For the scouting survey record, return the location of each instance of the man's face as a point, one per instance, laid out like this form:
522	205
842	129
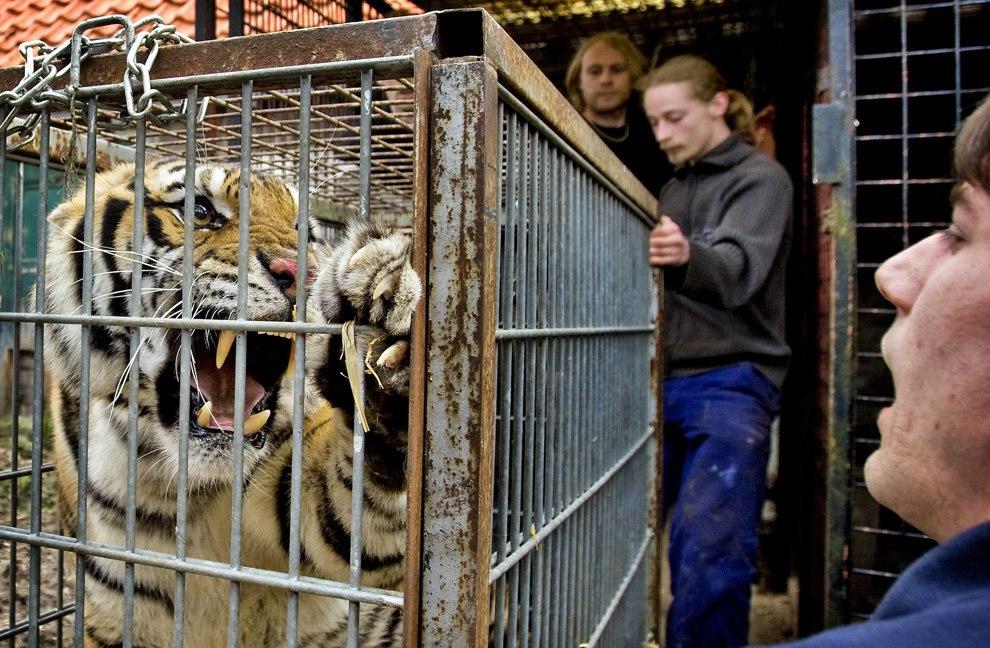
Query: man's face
605	81
934	455
685	127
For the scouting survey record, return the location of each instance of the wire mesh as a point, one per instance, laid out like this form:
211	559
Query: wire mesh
919	71
349	149
572	476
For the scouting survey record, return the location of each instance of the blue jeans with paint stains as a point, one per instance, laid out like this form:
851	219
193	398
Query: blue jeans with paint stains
716	440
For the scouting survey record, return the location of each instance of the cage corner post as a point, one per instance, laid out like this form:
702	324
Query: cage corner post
834	174
460	367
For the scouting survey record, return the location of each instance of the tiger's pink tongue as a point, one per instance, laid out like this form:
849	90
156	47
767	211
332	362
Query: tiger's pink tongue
217	387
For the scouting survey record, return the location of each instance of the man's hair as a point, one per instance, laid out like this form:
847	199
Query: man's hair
705	81
621	44
972	152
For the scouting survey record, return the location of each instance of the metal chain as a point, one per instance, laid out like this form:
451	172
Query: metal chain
44	63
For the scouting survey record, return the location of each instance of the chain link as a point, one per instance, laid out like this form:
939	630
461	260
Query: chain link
44	63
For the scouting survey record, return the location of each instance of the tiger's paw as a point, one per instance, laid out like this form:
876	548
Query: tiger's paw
369	279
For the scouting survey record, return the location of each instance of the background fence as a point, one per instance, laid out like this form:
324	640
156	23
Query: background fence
920	68
532	452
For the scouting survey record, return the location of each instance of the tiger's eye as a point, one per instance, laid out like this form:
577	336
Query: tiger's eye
202	215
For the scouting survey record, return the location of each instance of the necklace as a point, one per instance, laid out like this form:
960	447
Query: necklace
615	139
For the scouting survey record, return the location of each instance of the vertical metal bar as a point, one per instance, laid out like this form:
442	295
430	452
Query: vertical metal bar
656	423
518	390
235	17
38	385
357	481
554	565
137	245
11	595
15	378
904	127
529	399
60	585
957	53
841	367
84	370
572	209
542	379
206	20
353	10
240	366
411	618
185	368
461	356
508	287
299	369
586	439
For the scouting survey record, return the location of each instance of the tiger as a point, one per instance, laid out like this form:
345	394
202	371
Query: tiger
366	278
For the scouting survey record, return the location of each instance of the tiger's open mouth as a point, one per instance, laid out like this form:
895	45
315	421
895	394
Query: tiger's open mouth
212	386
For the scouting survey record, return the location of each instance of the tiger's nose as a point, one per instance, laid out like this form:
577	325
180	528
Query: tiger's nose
284	272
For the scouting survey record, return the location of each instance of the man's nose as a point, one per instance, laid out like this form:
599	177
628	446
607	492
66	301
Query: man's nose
901	277
660	133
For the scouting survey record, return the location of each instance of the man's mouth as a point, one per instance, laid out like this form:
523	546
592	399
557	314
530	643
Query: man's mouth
213	385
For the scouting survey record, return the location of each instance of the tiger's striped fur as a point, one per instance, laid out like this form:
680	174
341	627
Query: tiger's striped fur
367	278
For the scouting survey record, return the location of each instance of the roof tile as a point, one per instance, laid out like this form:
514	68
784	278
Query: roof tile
53	20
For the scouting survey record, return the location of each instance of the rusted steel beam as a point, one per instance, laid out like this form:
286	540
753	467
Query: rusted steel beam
417	361
460	351
351	41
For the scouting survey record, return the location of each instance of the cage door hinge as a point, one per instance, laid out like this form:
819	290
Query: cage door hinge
832	133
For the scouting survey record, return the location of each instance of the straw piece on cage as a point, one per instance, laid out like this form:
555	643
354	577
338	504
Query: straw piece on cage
369	365
352	362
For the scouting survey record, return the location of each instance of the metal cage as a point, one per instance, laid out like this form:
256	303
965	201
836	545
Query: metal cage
532	460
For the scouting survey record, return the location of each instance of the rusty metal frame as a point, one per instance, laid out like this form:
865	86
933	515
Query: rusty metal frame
461	355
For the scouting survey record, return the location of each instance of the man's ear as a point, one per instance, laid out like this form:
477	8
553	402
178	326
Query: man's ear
719	104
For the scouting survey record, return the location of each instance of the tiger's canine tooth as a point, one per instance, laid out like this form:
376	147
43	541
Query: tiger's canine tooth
290	369
256	421
223	346
205	414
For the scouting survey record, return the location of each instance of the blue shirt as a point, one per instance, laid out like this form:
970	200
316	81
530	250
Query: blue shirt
940	601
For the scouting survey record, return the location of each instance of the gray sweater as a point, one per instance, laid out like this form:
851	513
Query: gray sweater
726	305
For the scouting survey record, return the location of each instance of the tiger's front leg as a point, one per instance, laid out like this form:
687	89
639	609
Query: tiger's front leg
367	279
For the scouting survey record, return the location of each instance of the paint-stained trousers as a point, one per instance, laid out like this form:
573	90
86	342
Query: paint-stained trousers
716	440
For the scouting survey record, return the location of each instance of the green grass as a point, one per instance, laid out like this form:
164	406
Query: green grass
25	433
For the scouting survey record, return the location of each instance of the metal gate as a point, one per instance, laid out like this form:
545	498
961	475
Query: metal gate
907	72
532	452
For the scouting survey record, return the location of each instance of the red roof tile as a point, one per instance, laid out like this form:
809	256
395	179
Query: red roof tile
53	20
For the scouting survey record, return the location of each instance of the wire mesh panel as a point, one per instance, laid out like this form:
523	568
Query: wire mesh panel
572	479
185	496
920	68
